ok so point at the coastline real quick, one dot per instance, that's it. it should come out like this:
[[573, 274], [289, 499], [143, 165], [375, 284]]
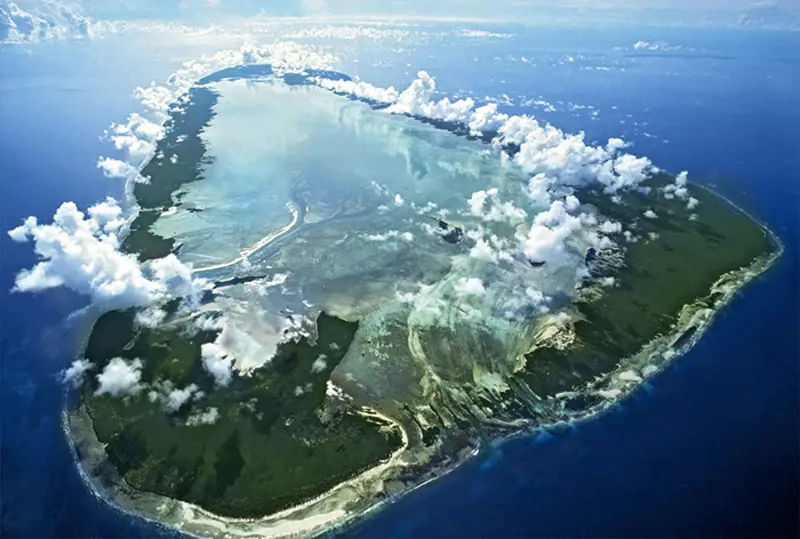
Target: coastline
[[358, 497], [346, 503]]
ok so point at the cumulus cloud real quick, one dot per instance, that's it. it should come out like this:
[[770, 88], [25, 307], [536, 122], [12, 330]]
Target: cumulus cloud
[[75, 373], [405, 236], [417, 100], [207, 322], [469, 286], [48, 20], [120, 378], [151, 317], [484, 34], [546, 241], [320, 364], [138, 136], [650, 214], [537, 298], [566, 159], [114, 168], [487, 206], [360, 89], [217, 363], [610, 227], [677, 189], [207, 417], [176, 398], [656, 46], [608, 282], [489, 247], [548, 153], [81, 251]]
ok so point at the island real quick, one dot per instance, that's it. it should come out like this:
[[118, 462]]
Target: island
[[372, 344]]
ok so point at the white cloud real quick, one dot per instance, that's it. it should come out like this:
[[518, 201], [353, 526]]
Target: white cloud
[[546, 241], [120, 378], [488, 246], [656, 46], [562, 318], [486, 118], [81, 252], [567, 160], [483, 251], [360, 89], [692, 203], [138, 136], [348, 33], [178, 397], [171, 397], [217, 363], [405, 297], [466, 32], [208, 417], [320, 364], [405, 236], [608, 282], [176, 279], [487, 206], [48, 21], [678, 188], [114, 168], [610, 227], [151, 317], [469, 286], [650, 214], [537, 298], [207, 322], [75, 373], [546, 152], [154, 97], [417, 100]]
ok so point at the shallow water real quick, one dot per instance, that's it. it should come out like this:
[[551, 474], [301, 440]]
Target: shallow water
[[297, 176]]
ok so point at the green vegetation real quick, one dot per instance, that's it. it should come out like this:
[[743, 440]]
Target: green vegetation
[[660, 276], [275, 443], [278, 440], [182, 139]]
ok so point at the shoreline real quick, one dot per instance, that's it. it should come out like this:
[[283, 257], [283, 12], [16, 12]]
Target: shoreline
[[354, 499]]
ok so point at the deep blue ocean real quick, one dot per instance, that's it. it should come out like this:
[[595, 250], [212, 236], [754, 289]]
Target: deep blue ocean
[[709, 448]]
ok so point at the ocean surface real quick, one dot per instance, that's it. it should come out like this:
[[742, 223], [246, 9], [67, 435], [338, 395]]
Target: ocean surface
[[710, 447]]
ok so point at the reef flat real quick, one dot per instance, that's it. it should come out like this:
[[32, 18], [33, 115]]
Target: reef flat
[[373, 348]]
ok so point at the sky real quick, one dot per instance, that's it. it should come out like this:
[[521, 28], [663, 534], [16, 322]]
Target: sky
[[75, 17]]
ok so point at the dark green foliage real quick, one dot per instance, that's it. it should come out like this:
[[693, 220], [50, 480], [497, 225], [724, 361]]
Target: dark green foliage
[[271, 446], [660, 277], [167, 177], [237, 72]]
